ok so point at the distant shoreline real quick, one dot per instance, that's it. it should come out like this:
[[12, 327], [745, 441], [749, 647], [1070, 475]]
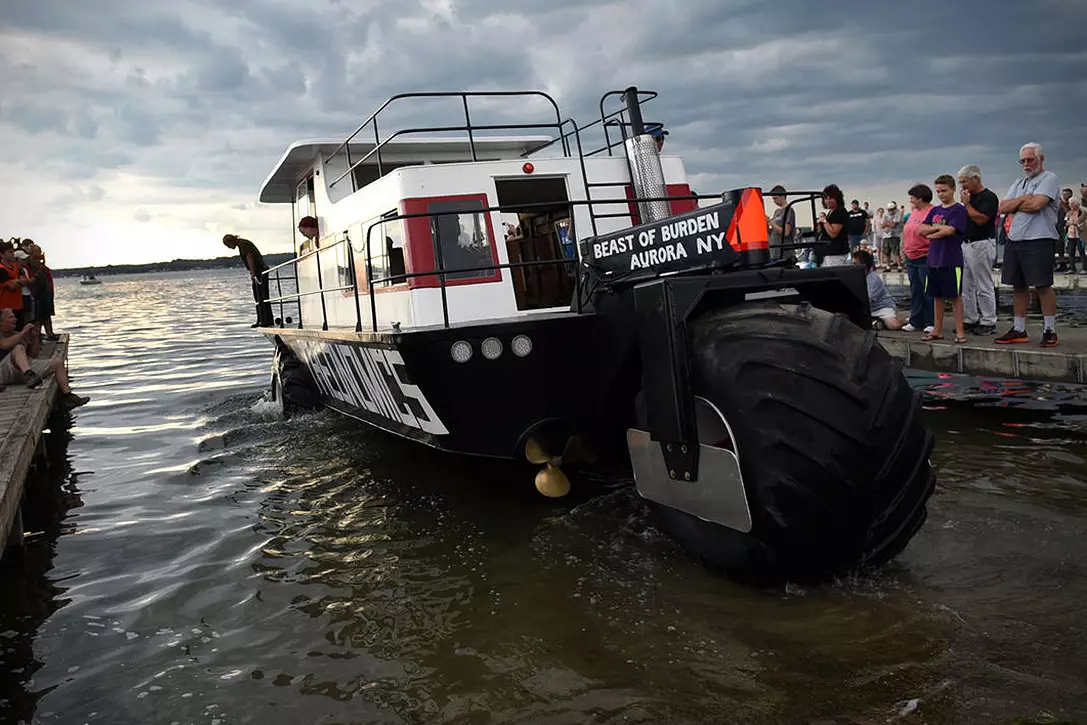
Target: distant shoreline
[[177, 265]]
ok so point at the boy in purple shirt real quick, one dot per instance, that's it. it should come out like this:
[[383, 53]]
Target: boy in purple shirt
[[944, 227]]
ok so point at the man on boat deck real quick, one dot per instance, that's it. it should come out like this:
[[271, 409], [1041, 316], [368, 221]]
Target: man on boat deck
[[307, 225], [254, 262]]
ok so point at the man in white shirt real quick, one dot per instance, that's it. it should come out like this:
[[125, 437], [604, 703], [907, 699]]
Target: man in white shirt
[[1034, 200]]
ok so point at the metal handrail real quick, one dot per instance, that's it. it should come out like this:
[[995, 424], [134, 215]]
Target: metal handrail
[[441, 272], [436, 129], [463, 95], [602, 121]]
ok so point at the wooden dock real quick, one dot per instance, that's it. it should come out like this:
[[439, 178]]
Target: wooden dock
[[982, 357], [23, 413]]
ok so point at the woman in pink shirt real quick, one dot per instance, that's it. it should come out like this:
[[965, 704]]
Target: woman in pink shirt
[[915, 250]]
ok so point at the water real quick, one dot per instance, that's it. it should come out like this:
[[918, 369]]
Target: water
[[196, 561]]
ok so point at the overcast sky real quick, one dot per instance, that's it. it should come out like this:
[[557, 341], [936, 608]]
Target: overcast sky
[[135, 131]]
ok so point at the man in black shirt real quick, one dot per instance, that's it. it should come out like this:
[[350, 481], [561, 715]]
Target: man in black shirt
[[254, 262], [978, 252], [858, 225]]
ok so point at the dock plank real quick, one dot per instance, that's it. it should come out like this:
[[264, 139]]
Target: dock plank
[[23, 413], [982, 357]]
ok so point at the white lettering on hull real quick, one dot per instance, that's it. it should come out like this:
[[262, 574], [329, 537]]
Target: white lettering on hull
[[370, 379]]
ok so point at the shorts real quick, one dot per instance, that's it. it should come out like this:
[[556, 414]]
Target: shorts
[[944, 282], [1028, 263], [885, 313], [10, 374], [891, 246]]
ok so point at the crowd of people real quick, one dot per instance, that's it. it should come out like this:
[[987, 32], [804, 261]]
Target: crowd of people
[[949, 247], [26, 320]]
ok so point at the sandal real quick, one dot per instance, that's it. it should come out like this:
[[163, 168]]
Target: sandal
[[929, 336], [960, 340]]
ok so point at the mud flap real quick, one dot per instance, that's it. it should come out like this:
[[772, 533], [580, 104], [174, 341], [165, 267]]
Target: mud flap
[[717, 496]]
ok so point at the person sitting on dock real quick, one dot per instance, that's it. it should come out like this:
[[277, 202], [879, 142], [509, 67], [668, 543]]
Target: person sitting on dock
[[880, 302], [15, 361], [254, 262]]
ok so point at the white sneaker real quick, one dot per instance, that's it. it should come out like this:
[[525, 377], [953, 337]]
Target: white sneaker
[[930, 328], [909, 328]]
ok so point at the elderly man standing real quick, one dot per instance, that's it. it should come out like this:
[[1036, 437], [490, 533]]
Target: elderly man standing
[[979, 252], [1032, 238]]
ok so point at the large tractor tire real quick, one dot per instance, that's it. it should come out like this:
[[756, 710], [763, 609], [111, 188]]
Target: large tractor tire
[[293, 389], [829, 437]]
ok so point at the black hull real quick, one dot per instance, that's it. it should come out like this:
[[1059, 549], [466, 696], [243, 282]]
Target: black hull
[[409, 384]]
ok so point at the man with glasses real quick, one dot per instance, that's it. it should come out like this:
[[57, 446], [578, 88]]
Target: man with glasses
[[1032, 237]]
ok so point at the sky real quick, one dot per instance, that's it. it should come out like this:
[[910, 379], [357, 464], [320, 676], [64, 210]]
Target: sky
[[135, 131]]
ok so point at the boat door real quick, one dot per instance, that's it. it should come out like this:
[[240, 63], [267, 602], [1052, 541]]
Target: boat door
[[539, 232]]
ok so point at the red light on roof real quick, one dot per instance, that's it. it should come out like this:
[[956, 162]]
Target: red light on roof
[[528, 168]]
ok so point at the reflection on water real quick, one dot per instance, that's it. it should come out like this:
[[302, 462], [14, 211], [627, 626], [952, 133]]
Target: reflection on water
[[200, 561]]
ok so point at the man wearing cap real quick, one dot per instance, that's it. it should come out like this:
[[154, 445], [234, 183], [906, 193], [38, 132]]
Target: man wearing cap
[[254, 262], [891, 244], [656, 130]]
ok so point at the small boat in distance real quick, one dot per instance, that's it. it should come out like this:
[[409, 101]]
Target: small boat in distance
[[89, 279]]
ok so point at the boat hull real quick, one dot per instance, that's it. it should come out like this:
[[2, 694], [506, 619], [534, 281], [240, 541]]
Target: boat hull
[[410, 385]]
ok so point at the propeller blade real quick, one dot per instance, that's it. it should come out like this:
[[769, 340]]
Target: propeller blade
[[535, 453], [552, 482]]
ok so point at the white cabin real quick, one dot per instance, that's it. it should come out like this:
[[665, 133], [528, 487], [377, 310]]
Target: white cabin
[[438, 175]]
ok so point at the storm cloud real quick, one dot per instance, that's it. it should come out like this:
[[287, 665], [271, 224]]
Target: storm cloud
[[123, 115]]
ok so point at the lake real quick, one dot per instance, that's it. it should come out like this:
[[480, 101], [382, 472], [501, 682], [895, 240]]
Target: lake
[[195, 560]]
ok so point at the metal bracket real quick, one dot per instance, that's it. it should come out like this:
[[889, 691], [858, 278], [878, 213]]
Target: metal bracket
[[666, 387]]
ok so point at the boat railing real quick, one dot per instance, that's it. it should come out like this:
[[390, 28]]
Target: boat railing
[[440, 270], [470, 128], [614, 119]]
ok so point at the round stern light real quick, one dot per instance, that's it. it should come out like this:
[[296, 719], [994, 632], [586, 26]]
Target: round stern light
[[491, 348], [521, 345], [461, 351], [528, 168]]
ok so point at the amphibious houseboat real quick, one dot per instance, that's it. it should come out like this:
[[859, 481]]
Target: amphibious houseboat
[[506, 293]]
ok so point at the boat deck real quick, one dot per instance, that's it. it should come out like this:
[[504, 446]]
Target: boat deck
[[23, 413]]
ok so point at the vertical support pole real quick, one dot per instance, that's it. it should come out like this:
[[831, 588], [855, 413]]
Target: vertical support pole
[[441, 267], [468, 125], [377, 145], [634, 109], [354, 281], [320, 289]]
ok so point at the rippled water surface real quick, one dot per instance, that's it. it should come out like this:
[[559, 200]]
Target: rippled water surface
[[194, 560]]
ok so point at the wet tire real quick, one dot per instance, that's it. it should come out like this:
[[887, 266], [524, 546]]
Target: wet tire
[[833, 451], [293, 388]]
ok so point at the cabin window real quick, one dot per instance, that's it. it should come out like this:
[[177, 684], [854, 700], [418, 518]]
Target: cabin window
[[345, 274], [460, 238], [387, 251], [452, 233], [304, 205], [386, 239]]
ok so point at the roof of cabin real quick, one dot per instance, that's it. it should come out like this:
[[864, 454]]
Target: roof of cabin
[[280, 185]]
